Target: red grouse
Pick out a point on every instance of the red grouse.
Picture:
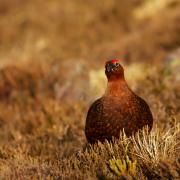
(119, 108)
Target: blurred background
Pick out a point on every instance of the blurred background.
(52, 55)
(79, 36)
(140, 30)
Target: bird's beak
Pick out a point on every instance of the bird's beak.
(110, 67)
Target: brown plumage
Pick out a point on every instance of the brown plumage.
(119, 108)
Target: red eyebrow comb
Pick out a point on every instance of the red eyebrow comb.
(114, 61)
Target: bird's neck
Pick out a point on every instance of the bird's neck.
(117, 88)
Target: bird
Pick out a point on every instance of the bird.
(119, 109)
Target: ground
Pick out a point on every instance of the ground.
(52, 56)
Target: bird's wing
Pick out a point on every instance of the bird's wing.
(139, 111)
(94, 123)
(95, 112)
(147, 116)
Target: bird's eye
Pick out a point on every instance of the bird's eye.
(117, 64)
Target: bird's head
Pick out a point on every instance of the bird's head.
(114, 70)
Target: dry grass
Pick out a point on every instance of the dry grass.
(156, 146)
(50, 74)
(94, 163)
